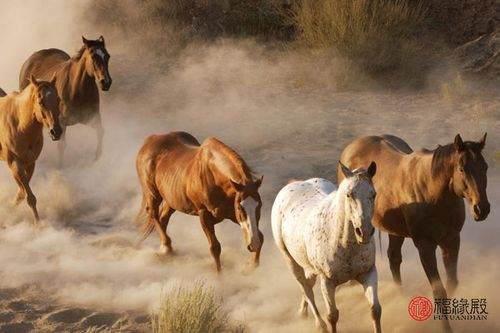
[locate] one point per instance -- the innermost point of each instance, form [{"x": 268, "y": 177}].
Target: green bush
[{"x": 193, "y": 309}]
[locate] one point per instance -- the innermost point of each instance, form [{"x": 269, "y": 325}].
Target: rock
[{"x": 481, "y": 56}]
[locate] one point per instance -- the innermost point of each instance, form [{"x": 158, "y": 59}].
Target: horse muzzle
[
  {"x": 55, "y": 133},
  {"x": 105, "y": 83},
  {"x": 480, "y": 211}
]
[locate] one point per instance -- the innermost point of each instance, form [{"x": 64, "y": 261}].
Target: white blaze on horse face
[
  {"x": 249, "y": 226},
  {"x": 360, "y": 209},
  {"x": 101, "y": 54}
]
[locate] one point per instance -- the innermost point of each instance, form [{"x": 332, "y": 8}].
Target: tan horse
[
  {"x": 22, "y": 118},
  {"x": 76, "y": 83},
  {"x": 209, "y": 180},
  {"x": 420, "y": 195}
]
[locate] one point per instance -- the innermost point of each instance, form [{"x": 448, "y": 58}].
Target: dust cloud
[{"x": 287, "y": 115}]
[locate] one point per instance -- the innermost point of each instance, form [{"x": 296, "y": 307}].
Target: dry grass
[
  {"x": 374, "y": 33},
  {"x": 194, "y": 309}
]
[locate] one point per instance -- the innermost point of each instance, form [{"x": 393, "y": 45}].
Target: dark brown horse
[
  {"x": 22, "y": 118},
  {"x": 420, "y": 195},
  {"x": 209, "y": 180},
  {"x": 77, "y": 80}
]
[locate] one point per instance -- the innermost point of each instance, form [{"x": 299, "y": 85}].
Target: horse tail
[{"x": 142, "y": 219}]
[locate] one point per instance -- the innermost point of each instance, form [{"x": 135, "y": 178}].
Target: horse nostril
[
  {"x": 359, "y": 232},
  {"x": 52, "y": 132},
  {"x": 250, "y": 248}
]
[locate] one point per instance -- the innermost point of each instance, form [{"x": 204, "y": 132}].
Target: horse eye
[
  {"x": 461, "y": 169},
  {"x": 349, "y": 195}
]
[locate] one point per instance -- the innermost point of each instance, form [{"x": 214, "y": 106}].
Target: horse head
[
  {"x": 469, "y": 178},
  {"x": 46, "y": 106},
  {"x": 358, "y": 194},
  {"x": 97, "y": 61},
  {"x": 247, "y": 205}
]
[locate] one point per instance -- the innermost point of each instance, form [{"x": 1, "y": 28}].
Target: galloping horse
[
  {"x": 328, "y": 233},
  {"x": 209, "y": 180},
  {"x": 76, "y": 84},
  {"x": 420, "y": 195},
  {"x": 22, "y": 118}
]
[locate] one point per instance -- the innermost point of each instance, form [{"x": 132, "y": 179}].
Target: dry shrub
[
  {"x": 193, "y": 309},
  {"x": 376, "y": 34}
]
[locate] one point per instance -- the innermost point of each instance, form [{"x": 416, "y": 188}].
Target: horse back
[{"x": 42, "y": 64}]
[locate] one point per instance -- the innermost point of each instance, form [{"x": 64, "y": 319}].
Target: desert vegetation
[{"x": 194, "y": 308}]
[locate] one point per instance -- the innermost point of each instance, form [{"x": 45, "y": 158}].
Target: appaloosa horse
[
  {"x": 209, "y": 180},
  {"x": 420, "y": 195},
  {"x": 76, "y": 83},
  {"x": 22, "y": 118},
  {"x": 325, "y": 232}
]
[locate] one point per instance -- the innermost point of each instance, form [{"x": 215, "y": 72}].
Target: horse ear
[
  {"x": 372, "y": 169},
  {"x": 33, "y": 80},
  {"x": 101, "y": 39},
  {"x": 345, "y": 170},
  {"x": 85, "y": 41},
  {"x": 259, "y": 180},
  {"x": 53, "y": 79},
  {"x": 458, "y": 143},
  {"x": 237, "y": 186},
  {"x": 482, "y": 142}
]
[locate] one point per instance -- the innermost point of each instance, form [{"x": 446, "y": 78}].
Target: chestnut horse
[
  {"x": 420, "y": 195},
  {"x": 22, "y": 118},
  {"x": 76, "y": 84},
  {"x": 209, "y": 180}
]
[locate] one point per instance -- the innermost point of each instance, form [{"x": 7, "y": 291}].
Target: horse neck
[
  {"x": 338, "y": 226},
  {"x": 78, "y": 74},
  {"x": 435, "y": 184},
  {"x": 228, "y": 167},
  {"x": 27, "y": 122}
]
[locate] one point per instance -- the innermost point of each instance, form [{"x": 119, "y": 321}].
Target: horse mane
[
  {"x": 79, "y": 53},
  {"x": 440, "y": 156},
  {"x": 245, "y": 172}
]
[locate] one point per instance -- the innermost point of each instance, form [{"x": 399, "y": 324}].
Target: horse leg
[
  {"x": 427, "y": 252},
  {"x": 61, "y": 146},
  {"x": 395, "y": 258},
  {"x": 166, "y": 213},
  {"x": 450, "y": 258},
  {"x": 328, "y": 290},
  {"x": 20, "y": 174},
  {"x": 256, "y": 254},
  {"x": 370, "y": 285},
  {"x": 311, "y": 281},
  {"x": 153, "y": 212},
  {"x": 208, "y": 225},
  {"x": 96, "y": 124},
  {"x": 306, "y": 285}
]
